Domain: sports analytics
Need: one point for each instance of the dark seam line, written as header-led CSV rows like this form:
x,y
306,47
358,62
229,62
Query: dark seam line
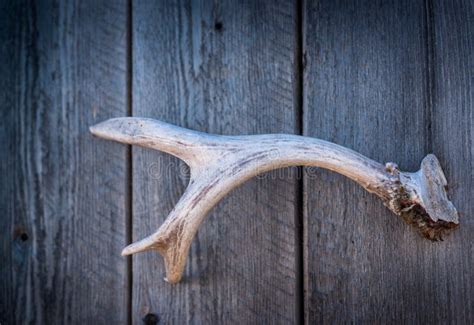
x,y
129,170
299,199
429,75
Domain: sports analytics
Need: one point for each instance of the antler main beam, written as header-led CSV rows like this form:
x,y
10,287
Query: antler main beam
x,y
220,163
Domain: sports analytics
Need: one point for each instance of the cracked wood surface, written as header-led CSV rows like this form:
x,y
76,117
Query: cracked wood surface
x,y
62,195
397,72
232,78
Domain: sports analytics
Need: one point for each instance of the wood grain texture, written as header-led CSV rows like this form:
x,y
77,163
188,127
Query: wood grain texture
x,y
449,281
380,77
62,195
225,68
365,87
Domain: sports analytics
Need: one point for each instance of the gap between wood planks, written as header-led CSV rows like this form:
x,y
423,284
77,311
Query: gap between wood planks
x,y
129,165
300,185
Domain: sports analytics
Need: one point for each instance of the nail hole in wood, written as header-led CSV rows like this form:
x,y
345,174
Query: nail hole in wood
x,y
218,26
151,319
24,236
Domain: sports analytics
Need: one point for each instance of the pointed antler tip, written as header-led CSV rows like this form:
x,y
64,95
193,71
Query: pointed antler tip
x,y
93,129
100,129
135,248
126,251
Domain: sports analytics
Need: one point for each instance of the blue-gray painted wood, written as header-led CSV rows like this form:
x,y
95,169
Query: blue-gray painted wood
x,y
227,68
364,88
449,281
392,80
63,68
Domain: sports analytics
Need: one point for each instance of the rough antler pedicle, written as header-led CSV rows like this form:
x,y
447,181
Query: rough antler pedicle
x,y
220,163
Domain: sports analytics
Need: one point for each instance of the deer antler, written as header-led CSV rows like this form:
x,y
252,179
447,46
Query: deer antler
x,y
220,163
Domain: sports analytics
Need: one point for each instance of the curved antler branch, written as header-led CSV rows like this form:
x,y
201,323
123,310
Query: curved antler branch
x,y
221,163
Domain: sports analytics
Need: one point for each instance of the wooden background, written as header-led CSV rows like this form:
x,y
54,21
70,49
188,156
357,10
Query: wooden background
x,y
393,80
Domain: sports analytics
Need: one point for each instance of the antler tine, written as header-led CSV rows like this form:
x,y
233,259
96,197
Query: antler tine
x,y
173,239
220,163
185,144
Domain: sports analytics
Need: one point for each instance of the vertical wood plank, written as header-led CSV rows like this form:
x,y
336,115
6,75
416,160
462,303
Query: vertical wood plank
x,y
62,195
365,87
453,142
225,68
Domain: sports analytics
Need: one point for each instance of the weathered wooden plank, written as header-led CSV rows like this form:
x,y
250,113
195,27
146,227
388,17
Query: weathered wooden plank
x,y
449,283
62,195
226,68
365,87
